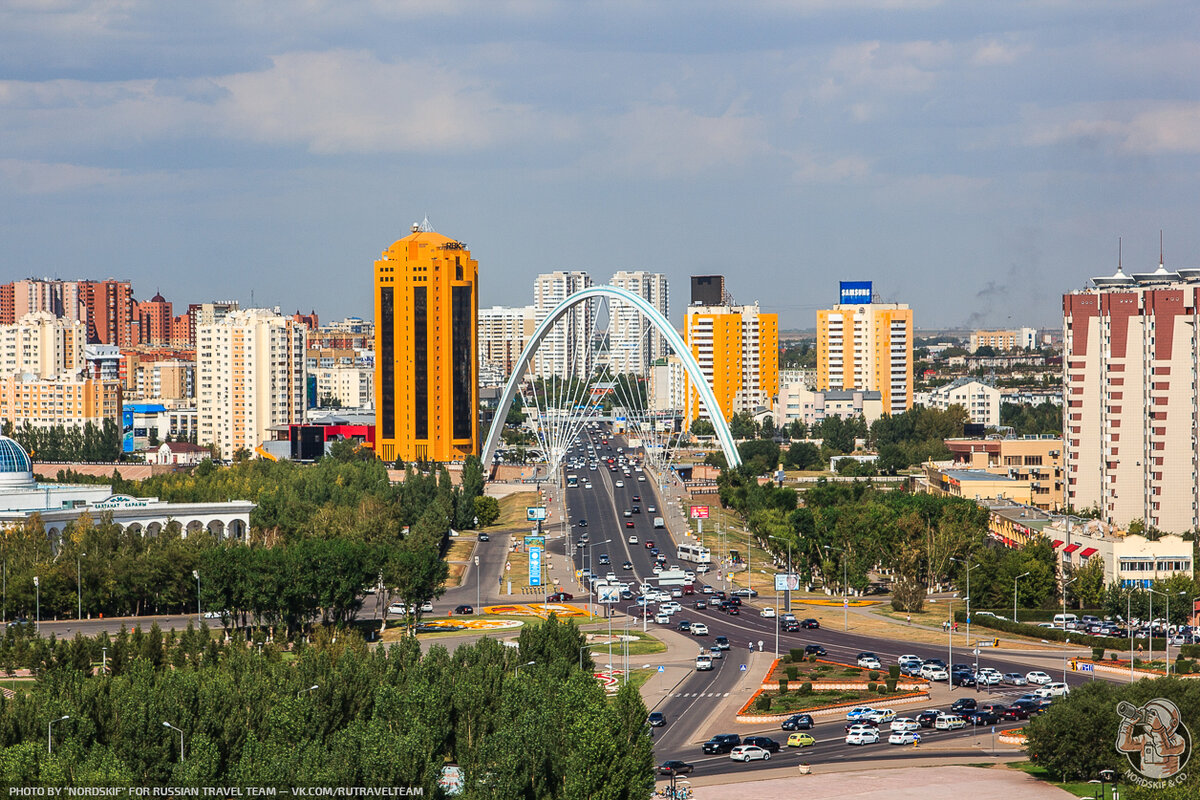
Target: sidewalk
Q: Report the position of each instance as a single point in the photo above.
(891, 780)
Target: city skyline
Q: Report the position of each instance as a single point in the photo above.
(975, 163)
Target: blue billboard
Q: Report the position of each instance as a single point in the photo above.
(855, 292)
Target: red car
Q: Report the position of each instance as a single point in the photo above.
(629, 524)
(649, 544)
(559, 597)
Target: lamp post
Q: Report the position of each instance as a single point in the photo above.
(845, 589)
(49, 738)
(312, 688)
(37, 594)
(180, 732)
(517, 671)
(1166, 628)
(1022, 575)
(787, 596)
(585, 647)
(79, 584)
(970, 567)
(199, 616)
(477, 579)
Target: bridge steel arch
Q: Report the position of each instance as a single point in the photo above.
(724, 436)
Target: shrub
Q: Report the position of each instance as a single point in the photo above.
(894, 672)
(1190, 650)
(792, 672)
(881, 688)
(783, 685)
(1113, 656)
(1053, 634)
(1137, 662)
(806, 688)
(871, 687)
(891, 684)
(873, 675)
(796, 653)
(763, 703)
(1098, 653)
(812, 659)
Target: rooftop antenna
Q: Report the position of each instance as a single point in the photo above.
(426, 226)
(1160, 248)
(1119, 253)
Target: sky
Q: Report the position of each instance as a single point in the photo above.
(974, 159)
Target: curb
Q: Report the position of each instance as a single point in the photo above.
(835, 708)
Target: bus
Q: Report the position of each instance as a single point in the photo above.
(694, 553)
(572, 481)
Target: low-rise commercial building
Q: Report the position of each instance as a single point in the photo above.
(1035, 459)
(798, 402)
(1130, 559)
(980, 400)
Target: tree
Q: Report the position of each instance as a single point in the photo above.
(742, 426)
(802, 455)
(1089, 583)
(702, 427)
(767, 430)
(487, 509)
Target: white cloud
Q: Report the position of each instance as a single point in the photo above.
(36, 177)
(1161, 129)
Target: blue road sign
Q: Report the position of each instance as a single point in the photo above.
(993, 729)
(661, 668)
(535, 566)
(742, 668)
(1085, 668)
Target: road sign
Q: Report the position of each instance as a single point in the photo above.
(535, 513)
(535, 566)
(1086, 668)
(661, 668)
(698, 512)
(742, 668)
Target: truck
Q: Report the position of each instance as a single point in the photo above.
(659, 522)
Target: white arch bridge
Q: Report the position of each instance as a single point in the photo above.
(572, 400)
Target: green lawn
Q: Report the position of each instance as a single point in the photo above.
(1079, 788)
(793, 701)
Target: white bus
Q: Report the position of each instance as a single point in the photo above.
(694, 553)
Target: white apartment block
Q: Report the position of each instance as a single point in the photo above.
(981, 400)
(633, 343)
(1018, 339)
(1130, 356)
(667, 385)
(503, 333)
(798, 402)
(351, 386)
(249, 376)
(567, 348)
(42, 345)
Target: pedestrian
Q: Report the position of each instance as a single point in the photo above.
(908, 618)
(956, 627)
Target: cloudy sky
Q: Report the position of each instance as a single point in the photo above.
(974, 159)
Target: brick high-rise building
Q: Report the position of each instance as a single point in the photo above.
(56, 297)
(155, 320)
(1130, 349)
(426, 354)
(112, 316)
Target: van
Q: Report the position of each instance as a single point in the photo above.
(659, 523)
(1065, 620)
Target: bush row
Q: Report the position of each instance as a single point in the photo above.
(1052, 634)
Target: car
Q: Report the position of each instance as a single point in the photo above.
(734, 600)
(962, 678)
(879, 716)
(869, 662)
(722, 642)
(859, 712)
(701, 604)
(669, 605)
(582, 523)
(560, 597)
(801, 740)
(716, 652)
(662, 618)
(745, 593)
(706, 589)
(749, 752)
(862, 736)
(809, 624)
(619, 484)
(642, 478)
(1032, 706)
(1016, 711)
(629, 524)
(397, 609)
(904, 737)
(677, 592)
(1054, 689)
(814, 650)
(699, 629)
(649, 544)
(626, 513)
(862, 723)
(626, 564)
(657, 719)
(650, 509)
(789, 625)
(949, 722)
(427, 607)
(684, 625)
(604, 560)
(909, 657)
(926, 718)
(1038, 677)
(1015, 679)
(721, 743)
(937, 674)
(636, 509)
(986, 678)
(765, 742)
(675, 767)
(483, 537)
(911, 668)
(767, 612)
(904, 724)
(732, 611)
(704, 662)
(637, 498)
(798, 722)
(980, 717)
(964, 704)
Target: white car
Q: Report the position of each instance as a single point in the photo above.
(949, 722)
(633, 538)
(987, 678)
(1038, 678)
(749, 752)
(703, 663)
(656, 569)
(880, 716)
(670, 606)
(588, 485)
(662, 619)
(619, 484)
(699, 629)
(909, 657)
(870, 662)
(938, 674)
(862, 736)
(397, 609)
(702, 568)
(642, 478)
(1056, 689)
(677, 592)
(767, 612)
(904, 737)
(905, 724)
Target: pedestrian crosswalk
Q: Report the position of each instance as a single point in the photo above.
(702, 694)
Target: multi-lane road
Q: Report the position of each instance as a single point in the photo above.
(690, 704)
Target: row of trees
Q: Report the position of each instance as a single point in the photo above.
(88, 442)
(337, 714)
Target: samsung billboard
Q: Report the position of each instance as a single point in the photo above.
(855, 292)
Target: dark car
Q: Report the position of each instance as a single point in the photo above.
(978, 718)
(604, 559)
(636, 509)
(745, 593)
(675, 767)
(1033, 706)
(911, 669)
(701, 604)
(721, 595)
(798, 722)
(765, 742)
(683, 625)
(814, 650)
(809, 623)
(657, 719)
(963, 704)
(789, 625)
(993, 708)
(637, 498)
(733, 611)
(962, 678)
(627, 565)
(483, 537)
(926, 718)
(722, 642)
(560, 597)
(582, 523)
(721, 743)
(464, 610)
(1016, 711)
(937, 661)
(735, 601)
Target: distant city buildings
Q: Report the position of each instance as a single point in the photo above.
(41, 345)
(867, 346)
(1130, 353)
(1002, 341)
(1035, 461)
(426, 355)
(503, 333)
(980, 399)
(567, 349)
(633, 345)
(798, 403)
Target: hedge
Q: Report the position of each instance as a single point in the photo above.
(1053, 634)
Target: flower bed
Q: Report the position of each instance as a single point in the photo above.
(746, 713)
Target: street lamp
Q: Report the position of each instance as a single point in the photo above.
(517, 671)
(1166, 628)
(1022, 575)
(787, 592)
(477, 579)
(172, 727)
(845, 589)
(970, 567)
(49, 739)
(199, 617)
(79, 583)
(312, 688)
(37, 593)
